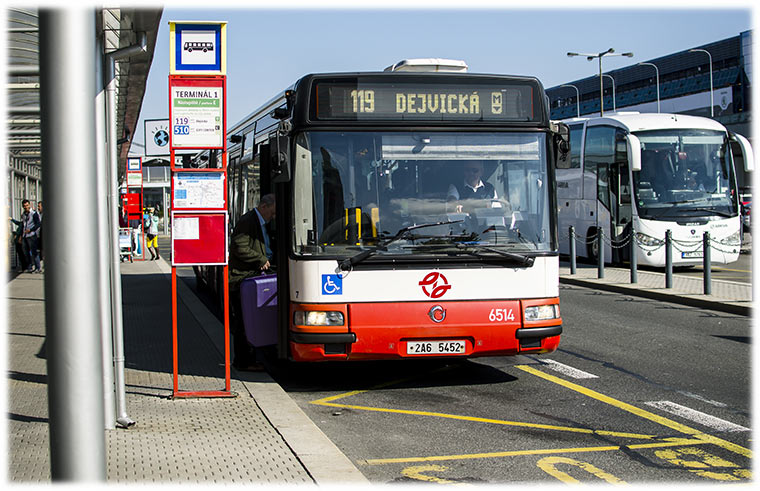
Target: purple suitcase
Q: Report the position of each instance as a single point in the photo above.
(258, 296)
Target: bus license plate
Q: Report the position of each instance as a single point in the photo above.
(445, 347)
(691, 254)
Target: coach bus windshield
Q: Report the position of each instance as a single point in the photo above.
(357, 190)
(685, 172)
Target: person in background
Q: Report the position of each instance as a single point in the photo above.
(39, 231)
(134, 224)
(151, 231)
(17, 239)
(250, 255)
(32, 222)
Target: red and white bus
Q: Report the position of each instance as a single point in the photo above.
(376, 259)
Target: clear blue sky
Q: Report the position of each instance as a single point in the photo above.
(269, 49)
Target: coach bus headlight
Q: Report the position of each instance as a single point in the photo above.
(541, 313)
(732, 240)
(648, 240)
(318, 318)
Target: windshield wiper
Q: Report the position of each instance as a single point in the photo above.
(519, 258)
(403, 233)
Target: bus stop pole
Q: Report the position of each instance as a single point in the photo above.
(72, 317)
(104, 244)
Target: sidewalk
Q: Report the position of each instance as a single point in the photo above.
(260, 436)
(726, 296)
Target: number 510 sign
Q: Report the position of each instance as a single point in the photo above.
(196, 112)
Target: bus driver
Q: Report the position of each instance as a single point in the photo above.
(472, 187)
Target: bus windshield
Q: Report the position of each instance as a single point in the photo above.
(686, 172)
(358, 190)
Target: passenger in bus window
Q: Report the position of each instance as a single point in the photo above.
(250, 255)
(472, 187)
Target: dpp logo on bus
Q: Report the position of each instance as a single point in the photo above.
(434, 285)
(332, 284)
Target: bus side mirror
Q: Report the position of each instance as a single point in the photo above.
(749, 157)
(562, 137)
(634, 151)
(279, 155)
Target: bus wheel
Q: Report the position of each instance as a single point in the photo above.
(592, 248)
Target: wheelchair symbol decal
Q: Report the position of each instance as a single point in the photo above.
(332, 284)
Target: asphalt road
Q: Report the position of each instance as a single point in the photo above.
(639, 391)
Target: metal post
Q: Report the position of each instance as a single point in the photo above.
(104, 245)
(668, 259)
(572, 249)
(118, 327)
(634, 259)
(600, 254)
(72, 317)
(614, 104)
(706, 265)
(709, 56)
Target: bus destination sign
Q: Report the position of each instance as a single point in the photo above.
(423, 102)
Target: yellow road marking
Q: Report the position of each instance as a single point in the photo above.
(666, 442)
(640, 412)
(571, 429)
(549, 465)
(416, 472)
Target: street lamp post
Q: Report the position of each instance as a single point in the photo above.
(712, 105)
(657, 75)
(577, 98)
(591, 56)
(614, 105)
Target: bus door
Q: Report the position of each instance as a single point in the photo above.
(598, 160)
(620, 197)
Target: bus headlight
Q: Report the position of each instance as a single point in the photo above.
(318, 318)
(732, 240)
(541, 313)
(648, 240)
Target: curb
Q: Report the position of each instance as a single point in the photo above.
(677, 298)
(321, 458)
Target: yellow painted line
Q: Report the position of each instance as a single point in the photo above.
(640, 412)
(549, 465)
(571, 429)
(667, 442)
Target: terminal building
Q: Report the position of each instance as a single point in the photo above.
(681, 81)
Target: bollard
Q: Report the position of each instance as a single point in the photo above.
(634, 259)
(706, 263)
(600, 241)
(572, 249)
(668, 260)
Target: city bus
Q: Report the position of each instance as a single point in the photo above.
(373, 258)
(635, 176)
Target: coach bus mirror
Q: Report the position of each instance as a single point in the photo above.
(562, 132)
(746, 148)
(634, 152)
(280, 158)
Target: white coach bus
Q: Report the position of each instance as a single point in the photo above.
(635, 176)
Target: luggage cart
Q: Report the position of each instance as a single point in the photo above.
(125, 244)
